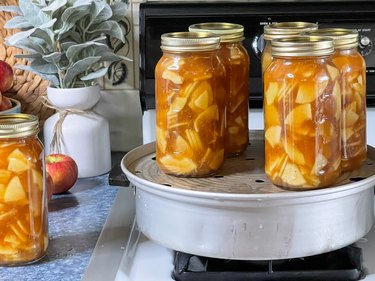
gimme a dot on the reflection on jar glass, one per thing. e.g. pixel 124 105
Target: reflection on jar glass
pixel 352 68
pixel 23 195
pixel 190 105
pixel 302 108
pixel 281 30
pixel 236 61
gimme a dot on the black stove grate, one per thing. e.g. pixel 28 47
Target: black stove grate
pixel 341 265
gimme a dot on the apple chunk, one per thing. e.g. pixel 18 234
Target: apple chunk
pixel 292 176
pixel 273 135
pixel 299 115
pixel 14 191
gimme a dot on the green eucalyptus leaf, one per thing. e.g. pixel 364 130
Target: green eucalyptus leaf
pixel 110 28
pixel 100 12
pixel 51 78
pixel 28 56
pixel 96 74
pixel 111 57
pixel 30 46
pixel 42 66
pixel 78 68
pixel 53 58
pixel 78 3
pixel 11 9
pixel 54 6
pixel 18 22
pixel 69 36
pixel 66 45
pixel 15 38
pixel 33 13
pixel 43 35
pixel 119 10
pixel 71 15
pixel 74 51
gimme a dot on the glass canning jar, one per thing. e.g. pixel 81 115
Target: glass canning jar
pixel 281 30
pixel 190 105
pixel 352 68
pixel 237 63
pixel 23 193
pixel 302 108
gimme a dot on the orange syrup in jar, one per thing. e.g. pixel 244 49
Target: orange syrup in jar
pixel 190 104
pixel 23 198
pixel 237 63
pixel 302 110
pixel 352 69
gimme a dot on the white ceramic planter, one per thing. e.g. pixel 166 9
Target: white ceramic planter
pixel 85 137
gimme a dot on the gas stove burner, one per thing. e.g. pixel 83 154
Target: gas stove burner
pixel 341 265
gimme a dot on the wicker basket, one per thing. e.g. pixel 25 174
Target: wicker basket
pixel 28 88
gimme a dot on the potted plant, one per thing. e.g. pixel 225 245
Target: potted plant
pixel 66 43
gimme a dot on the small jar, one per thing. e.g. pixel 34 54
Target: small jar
pixel 302 109
pixel 190 105
pixel 352 68
pixel 237 63
pixel 281 30
pixel 23 194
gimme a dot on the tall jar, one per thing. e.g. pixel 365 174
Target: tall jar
pixel 237 63
pixel 352 68
pixel 23 194
pixel 281 30
pixel 190 105
pixel 302 108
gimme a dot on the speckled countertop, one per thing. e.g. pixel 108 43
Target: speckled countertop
pixel 75 222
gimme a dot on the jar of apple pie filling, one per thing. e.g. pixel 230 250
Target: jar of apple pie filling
pixel 236 61
pixel 302 108
pixel 352 68
pixel 281 30
pixel 190 105
pixel 23 194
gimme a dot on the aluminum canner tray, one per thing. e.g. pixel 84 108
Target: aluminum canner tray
pixel 239 214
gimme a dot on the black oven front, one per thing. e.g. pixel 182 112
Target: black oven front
pixel 157 18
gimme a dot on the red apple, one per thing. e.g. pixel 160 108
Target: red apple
pixel 5 104
pixel 63 171
pixel 6 76
pixel 49 185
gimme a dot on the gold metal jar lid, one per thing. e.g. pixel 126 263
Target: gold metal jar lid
pixel 229 32
pixel 190 41
pixel 18 125
pixel 342 38
pixel 303 46
pixel 287 29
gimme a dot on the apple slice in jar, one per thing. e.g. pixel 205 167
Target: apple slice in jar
pixel 292 176
pixel 201 96
pixel 161 139
pixel 194 140
pixel 172 76
pixel 333 72
pixel 177 105
pixel 299 115
pixel 204 119
pixel 271 92
pixel 178 166
pixel 14 191
pixel 273 135
pixel 17 161
pixel 294 154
